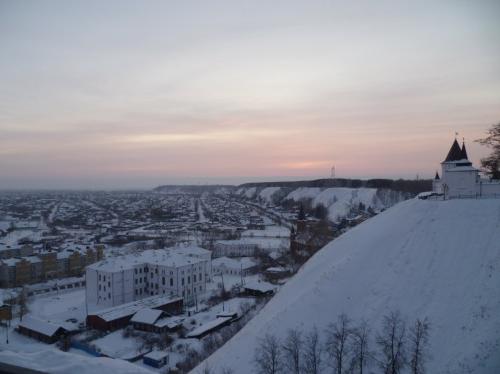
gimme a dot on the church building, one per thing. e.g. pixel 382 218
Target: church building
pixel 459 179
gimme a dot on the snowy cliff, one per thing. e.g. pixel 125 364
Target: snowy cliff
pixel 339 201
pixel 434 259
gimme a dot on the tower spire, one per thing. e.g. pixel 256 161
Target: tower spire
pixel 463 151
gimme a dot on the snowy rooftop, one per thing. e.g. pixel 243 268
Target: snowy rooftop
pixel 147 315
pixel 170 322
pixel 128 309
pixel 259 286
pixel 200 330
pixel 172 257
pixel 156 355
pixel 38 325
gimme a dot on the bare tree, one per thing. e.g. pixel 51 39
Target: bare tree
pixel 268 355
pixel 336 343
pixel 312 357
pixel 392 344
pixel 227 370
pixel 359 345
pixel 419 338
pixel 491 164
pixel 292 350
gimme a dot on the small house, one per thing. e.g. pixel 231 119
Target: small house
pixel 41 330
pixel 156 359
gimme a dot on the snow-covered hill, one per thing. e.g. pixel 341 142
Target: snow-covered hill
pixel 339 201
pixel 435 259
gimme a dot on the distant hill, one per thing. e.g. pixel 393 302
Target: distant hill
pixel 403 185
pixel 434 259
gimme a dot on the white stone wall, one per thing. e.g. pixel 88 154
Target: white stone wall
pixel 461 183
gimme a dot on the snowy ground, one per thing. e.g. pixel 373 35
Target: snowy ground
pixel 434 259
pixel 59 307
pixel 116 346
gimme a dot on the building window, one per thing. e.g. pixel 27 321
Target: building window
pixel 182 281
pixel 140 270
pixel 189 279
pixel 136 281
pixel 171 282
pixel 135 270
pixel 151 275
pixel 99 276
pixel 163 281
pixel 109 296
pixel 99 287
pixel 194 278
pixel 156 270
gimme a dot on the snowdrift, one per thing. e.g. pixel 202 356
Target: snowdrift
pixel 434 259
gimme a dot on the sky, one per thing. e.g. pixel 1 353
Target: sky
pixel 133 94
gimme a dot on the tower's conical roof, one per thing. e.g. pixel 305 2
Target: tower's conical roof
pixel 437 176
pixel 463 152
pixel 455 152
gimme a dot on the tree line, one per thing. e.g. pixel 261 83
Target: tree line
pixel 345 348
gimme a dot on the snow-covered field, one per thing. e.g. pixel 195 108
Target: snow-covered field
pixel 434 259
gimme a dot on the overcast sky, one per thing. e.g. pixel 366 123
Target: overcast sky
pixel 122 94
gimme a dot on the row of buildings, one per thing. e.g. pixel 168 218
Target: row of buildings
pixel 46 265
pixel 177 271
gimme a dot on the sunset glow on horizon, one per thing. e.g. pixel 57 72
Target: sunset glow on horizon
pixel 127 94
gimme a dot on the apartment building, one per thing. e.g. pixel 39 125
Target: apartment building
pixel 178 271
pixel 46 265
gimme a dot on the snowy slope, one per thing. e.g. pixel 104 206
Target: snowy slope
pixel 339 201
pixel 267 193
pixel 435 259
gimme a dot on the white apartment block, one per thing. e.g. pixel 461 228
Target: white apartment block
pixel 178 271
